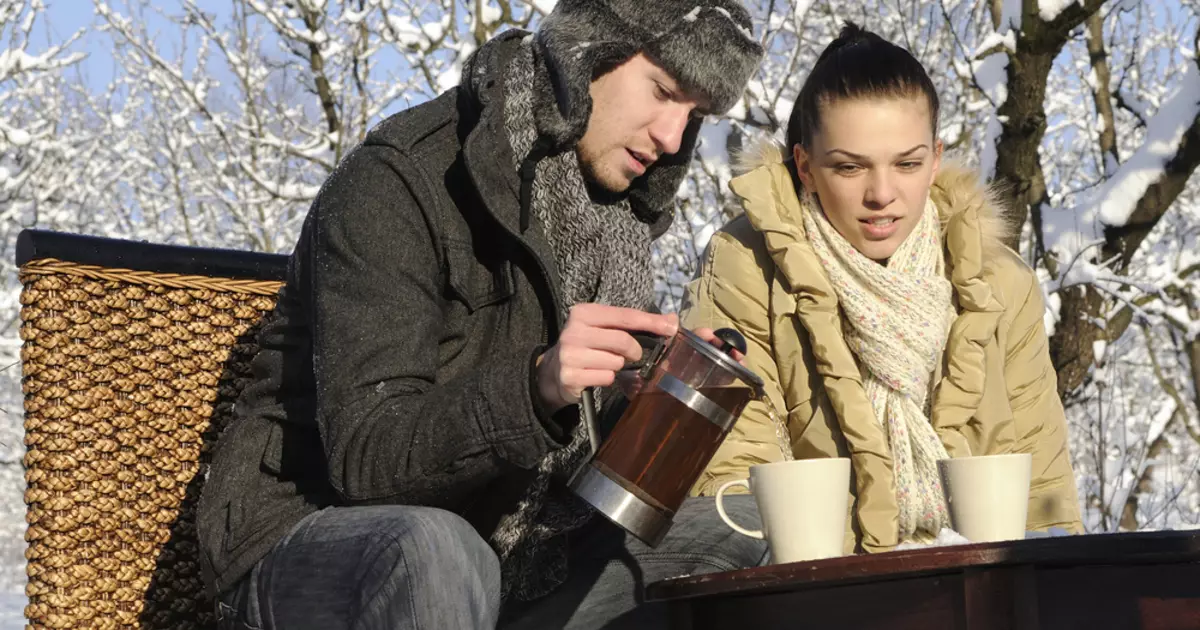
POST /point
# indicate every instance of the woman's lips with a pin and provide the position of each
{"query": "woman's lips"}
(879, 228)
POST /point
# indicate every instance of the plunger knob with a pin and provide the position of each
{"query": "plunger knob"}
(730, 340)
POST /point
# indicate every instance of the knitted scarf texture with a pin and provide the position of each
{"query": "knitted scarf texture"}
(602, 253)
(897, 320)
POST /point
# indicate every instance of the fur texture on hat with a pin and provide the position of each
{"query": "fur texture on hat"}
(706, 46)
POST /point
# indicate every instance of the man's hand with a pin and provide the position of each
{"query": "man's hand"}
(593, 346)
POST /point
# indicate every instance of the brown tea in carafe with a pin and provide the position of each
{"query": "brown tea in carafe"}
(685, 395)
(661, 445)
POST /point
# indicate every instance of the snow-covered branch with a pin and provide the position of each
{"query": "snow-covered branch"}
(1118, 199)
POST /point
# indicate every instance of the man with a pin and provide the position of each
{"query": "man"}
(400, 458)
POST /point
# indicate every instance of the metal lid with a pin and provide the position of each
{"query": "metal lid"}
(723, 359)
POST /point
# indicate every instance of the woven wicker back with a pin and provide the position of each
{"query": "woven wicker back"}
(128, 377)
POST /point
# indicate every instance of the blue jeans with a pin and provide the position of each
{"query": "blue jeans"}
(417, 568)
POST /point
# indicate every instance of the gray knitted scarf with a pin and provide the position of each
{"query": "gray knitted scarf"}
(602, 253)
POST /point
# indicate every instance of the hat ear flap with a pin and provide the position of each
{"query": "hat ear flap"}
(653, 195)
(565, 117)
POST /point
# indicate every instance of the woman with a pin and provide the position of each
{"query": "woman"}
(890, 323)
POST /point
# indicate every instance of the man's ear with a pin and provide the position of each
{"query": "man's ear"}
(803, 167)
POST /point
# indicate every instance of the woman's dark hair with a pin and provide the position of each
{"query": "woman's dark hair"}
(858, 64)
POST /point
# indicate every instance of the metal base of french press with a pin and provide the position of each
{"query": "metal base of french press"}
(648, 523)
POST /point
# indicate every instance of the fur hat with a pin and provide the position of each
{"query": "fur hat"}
(706, 45)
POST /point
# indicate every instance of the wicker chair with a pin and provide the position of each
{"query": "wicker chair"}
(133, 355)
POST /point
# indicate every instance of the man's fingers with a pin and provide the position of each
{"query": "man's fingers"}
(580, 358)
(620, 318)
(574, 381)
(617, 342)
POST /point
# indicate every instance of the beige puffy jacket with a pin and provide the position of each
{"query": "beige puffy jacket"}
(995, 389)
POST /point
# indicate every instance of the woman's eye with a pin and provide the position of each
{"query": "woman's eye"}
(661, 93)
(847, 169)
(911, 165)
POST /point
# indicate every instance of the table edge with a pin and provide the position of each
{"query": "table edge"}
(1082, 550)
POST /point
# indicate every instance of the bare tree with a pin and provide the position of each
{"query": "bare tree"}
(223, 119)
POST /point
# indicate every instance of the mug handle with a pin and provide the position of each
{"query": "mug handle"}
(745, 483)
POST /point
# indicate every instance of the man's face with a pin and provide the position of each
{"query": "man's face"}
(639, 114)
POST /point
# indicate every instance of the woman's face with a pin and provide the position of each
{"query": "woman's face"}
(871, 164)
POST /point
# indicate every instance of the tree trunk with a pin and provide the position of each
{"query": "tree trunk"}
(1019, 171)
(1071, 345)
(1023, 114)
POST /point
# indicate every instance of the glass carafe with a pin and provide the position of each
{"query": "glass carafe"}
(686, 396)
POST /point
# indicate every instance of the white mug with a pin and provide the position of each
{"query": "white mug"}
(988, 495)
(803, 506)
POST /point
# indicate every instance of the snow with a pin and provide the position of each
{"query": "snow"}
(16, 137)
(14, 61)
(433, 30)
(992, 75)
(333, 49)
(1051, 317)
(491, 14)
(1007, 41)
(352, 17)
(1161, 419)
(945, 538)
(408, 34)
(800, 9)
(1118, 198)
(704, 235)
(1048, 10)
(744, 31)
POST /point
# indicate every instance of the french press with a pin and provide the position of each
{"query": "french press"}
(687, 393)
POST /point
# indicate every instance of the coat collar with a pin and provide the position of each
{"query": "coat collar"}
(487, 156)
(767, 186)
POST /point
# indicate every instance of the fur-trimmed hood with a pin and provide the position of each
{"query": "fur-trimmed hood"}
(956, 189)
(996, 389)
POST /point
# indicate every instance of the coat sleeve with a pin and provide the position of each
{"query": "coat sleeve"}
(731, 291)
(392, 428)
(1040, 420)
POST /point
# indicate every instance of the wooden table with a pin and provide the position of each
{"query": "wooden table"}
(1147, 581)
